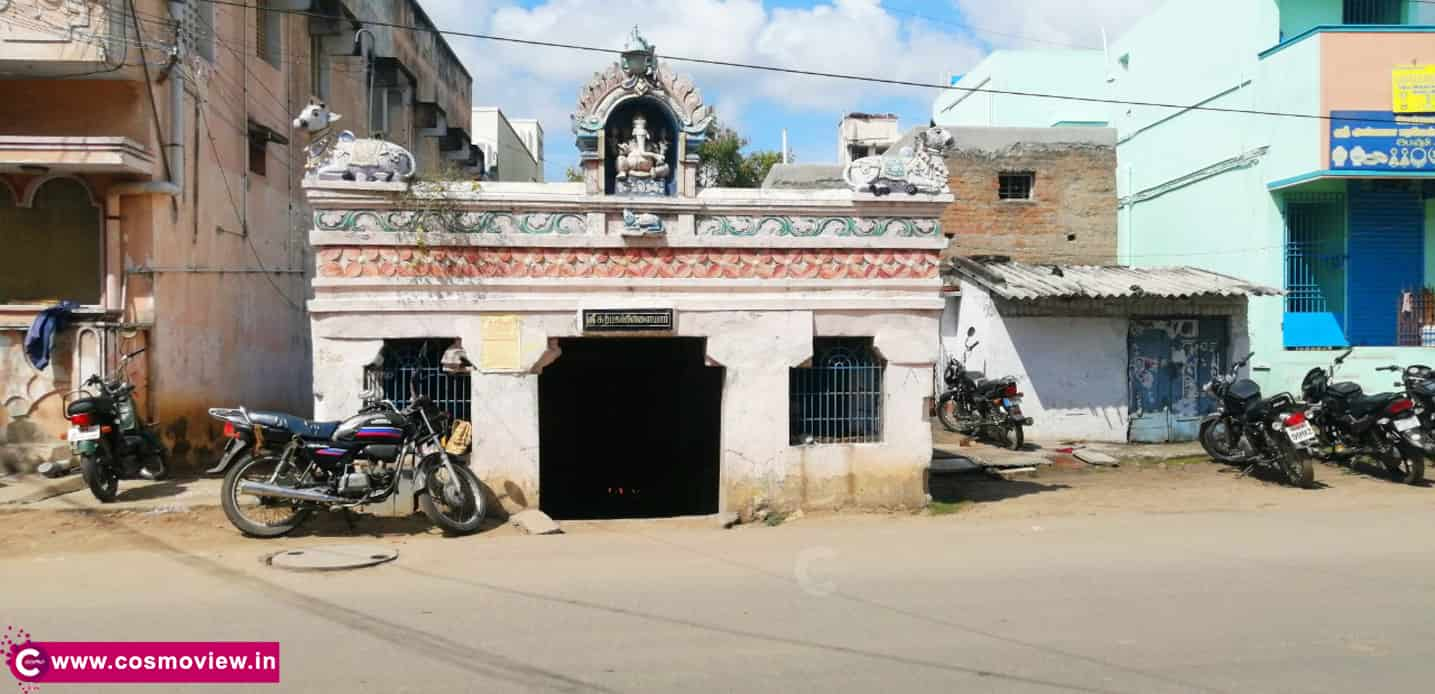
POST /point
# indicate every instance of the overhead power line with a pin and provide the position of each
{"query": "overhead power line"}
(831, 75)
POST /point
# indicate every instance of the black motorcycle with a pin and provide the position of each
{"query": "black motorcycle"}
(1419, 383)
(1352, 424)
(366, 459)
(1252, 431)
(108, 437)
(977, 406)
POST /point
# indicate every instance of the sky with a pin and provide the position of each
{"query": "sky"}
(924, 41)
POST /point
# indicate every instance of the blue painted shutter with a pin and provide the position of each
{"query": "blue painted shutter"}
(1387, 256)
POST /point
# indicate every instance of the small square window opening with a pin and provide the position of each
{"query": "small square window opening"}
(1015, 185)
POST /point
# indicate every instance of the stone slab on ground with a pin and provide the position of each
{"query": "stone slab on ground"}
(535, 522)
(990, 456)
(332, 557)
(952, 464)
(1091, 457)
(29, 489)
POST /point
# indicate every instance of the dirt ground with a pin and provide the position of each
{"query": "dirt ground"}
(1182, 485)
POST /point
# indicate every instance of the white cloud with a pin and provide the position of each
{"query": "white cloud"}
(1052, 23)
(859, 37)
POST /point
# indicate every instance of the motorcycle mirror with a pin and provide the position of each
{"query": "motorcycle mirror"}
(971, 330)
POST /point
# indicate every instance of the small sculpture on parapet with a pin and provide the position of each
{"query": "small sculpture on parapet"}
(918, 170)
(343, 157)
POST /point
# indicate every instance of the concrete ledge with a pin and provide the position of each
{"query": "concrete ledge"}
(29, 489)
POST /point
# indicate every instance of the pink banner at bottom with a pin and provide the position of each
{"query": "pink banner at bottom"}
(133, 662)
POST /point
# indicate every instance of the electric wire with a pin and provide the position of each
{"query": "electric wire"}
(829, 75)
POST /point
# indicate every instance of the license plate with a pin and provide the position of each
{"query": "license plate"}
(1301, 433)
(85, 434)
(1406, 424)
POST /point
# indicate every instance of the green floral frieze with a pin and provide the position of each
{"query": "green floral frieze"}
(810, 227)
(536, 223)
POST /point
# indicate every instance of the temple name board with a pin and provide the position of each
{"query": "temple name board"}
(658, 319)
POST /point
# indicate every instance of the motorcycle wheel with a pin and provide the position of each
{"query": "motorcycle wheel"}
(460, 513)
(1215, 438)
(947, 413)
(1406, 463)
(104, 483)
(1012, 438)
(1299, 466)
(262, 517)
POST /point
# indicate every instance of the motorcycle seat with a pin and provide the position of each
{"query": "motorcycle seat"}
(91, 405)
(1345, 390)
(298, 426)
(1363, 405)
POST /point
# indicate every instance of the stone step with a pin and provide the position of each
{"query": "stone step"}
(25, 457)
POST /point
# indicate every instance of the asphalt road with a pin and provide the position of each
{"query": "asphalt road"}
(1284, 601)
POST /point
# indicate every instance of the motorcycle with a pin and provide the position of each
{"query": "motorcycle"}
(1419, 383)
(262, 432)
(108, 437)
(377, 454)
(974, 405)
(1247, 429)
(1352, 424)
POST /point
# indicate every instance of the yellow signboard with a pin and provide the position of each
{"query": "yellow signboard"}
(1414, 89)
(501, 344)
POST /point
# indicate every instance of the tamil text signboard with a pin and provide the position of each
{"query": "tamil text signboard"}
(627, 320)
(1381, 141)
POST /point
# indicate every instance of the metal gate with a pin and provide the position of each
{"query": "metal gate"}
(413, 366)
(1387, 257)
(1170, 360)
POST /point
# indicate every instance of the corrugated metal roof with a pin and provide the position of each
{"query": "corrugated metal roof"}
(1022, 281)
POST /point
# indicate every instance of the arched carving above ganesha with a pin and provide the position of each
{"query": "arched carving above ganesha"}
(640, 125)
(639, 73)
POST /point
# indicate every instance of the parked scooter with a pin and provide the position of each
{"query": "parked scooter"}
(974, 405)
(366, 459)
(107, 435)
(1250, 431)
(1352, 424)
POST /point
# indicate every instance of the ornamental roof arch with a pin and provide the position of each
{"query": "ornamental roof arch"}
(639, 74)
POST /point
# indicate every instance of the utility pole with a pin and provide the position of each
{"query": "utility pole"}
(784, 145)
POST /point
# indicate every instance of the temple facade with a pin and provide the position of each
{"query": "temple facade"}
(635, 345)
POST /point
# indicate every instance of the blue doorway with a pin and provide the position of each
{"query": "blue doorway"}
(1170, 361)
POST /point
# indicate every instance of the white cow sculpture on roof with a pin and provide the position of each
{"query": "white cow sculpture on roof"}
(344, 157)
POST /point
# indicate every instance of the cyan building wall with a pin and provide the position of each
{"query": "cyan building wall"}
(1061, 72)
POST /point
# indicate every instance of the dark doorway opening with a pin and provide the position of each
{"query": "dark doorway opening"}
(629, 428)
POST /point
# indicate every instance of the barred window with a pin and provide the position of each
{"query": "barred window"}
(1015, 185)
(838, 397)
(414, 366)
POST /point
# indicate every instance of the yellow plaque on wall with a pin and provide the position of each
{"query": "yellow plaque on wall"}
(1414, 89)
(501, 344)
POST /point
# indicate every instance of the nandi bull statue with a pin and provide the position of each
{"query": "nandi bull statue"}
(919, 171)
(344, 157)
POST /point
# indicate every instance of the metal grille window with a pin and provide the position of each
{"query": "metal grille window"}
(838, 399)
(1015, 185)
(413, 366)
(1372, 11)
(1315, 252)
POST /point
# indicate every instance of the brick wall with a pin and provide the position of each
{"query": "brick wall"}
(1071, 217)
